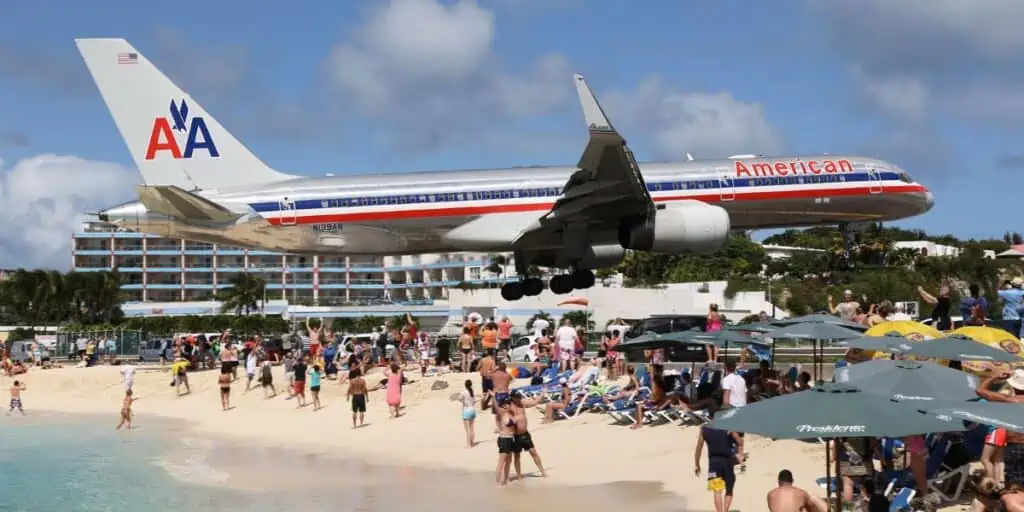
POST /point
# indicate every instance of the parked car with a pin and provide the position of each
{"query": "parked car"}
(664, 324)
(21, 351)
(155, 349)
(522, 350)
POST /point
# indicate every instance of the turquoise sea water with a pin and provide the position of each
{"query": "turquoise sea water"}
(51, 462)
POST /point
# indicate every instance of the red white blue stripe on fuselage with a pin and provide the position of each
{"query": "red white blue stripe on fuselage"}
(391, 207)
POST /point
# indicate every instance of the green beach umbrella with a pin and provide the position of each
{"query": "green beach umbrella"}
(819, 318)
(891, 343)
(813, 331)
(722, 338)
(831, 411)
(652, 341)
(1005, 415)
(958, 348)
(753, 327)
(913, 381)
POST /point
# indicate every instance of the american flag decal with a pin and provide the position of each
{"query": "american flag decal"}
(127, 58)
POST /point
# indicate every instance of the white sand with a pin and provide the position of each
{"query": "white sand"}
(585, 450)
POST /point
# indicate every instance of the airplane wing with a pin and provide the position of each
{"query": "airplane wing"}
(176, 202)
(607, 188)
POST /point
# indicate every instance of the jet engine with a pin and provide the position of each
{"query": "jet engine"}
(691, 226)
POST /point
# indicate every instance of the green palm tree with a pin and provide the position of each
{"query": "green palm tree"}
(244, 293)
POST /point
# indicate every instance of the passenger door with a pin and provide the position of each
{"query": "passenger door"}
(874, 181)
(287, 214)
(727, 187)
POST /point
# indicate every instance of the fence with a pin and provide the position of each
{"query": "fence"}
(126, 341)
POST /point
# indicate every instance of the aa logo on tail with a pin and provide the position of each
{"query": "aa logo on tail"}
(164, 136)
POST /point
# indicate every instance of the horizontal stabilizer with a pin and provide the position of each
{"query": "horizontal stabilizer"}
(175, 202)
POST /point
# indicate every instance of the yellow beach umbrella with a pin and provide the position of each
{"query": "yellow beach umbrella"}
(993, 337)
(913, 331)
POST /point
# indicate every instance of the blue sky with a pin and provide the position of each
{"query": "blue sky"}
(355, 87)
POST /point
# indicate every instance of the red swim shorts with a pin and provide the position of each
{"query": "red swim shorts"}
(996, 438)
(300, 387)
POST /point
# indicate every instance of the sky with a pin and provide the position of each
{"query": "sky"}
(316, 87)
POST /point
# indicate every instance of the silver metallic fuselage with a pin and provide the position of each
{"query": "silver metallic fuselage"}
(410, 213)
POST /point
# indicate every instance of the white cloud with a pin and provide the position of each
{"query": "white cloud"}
(901, 96)
(705, 124)
(43, 199)
(427, 70)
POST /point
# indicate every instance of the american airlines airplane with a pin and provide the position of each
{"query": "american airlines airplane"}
(203, 184)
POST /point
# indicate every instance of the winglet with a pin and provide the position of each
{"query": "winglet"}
(592, 111)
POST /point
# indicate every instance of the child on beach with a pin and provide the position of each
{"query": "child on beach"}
(126, 410)
(16, 390)
(314, 386)
(357, 394)
(299, 370)
(394, 393)
(251, 362)
(224, 381)
(289, 371)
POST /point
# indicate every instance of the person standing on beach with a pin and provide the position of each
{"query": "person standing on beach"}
(524, 441)
(314, 386)
(299, 370)
(357, 394)
(179, 370)
(466, 348)
(224, 382)
(126, 410)
(486, 367)
(394, 393)
(423, 347)
(1013, 452)
(506, 442)
(127, 376)
(251, 361)
(267, 379)
(501, 380)
(721, 462)
(289, 371)
(16, 390)
(468, 400)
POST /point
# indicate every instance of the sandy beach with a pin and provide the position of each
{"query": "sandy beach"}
(582, 451)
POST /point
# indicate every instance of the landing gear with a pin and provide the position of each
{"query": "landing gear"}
(560, 284)
(527, 287)
(582, 279)
(849, 243)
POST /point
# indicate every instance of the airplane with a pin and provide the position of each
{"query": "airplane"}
(200, 183)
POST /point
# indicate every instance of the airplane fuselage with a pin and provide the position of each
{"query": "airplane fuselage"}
(410, 213)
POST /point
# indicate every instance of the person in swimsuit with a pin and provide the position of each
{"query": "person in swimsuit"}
(314, 386)
(466, 348)
(486, 367)
(299, 370)
(357, 394)
(468, 400)
(224, 381)
(500, 379)
(16, 390)
(524, 441)
(267, 380)
(1013, 452)
(506, 442)
(126, 411)
(721, 462)
(790, 498)
(394, 392)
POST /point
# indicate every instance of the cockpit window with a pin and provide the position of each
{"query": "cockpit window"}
(905, 178)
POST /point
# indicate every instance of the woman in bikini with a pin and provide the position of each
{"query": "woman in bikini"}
(224, 381)
(466, 347)
(126, 411)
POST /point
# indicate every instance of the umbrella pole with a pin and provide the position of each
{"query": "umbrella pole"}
(839, 479)
(828, 473)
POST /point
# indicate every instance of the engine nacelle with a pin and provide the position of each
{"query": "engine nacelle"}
(692, 226)
(603, 256)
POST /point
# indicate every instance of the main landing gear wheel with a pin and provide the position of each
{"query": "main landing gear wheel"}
(532, 286)
(560, 284)
(512, 291)
(582, 279)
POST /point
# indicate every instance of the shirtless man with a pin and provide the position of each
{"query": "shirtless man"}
(501, 379)
(1013, 453)
(357, 394)
(790, 498)
(486, 367)
(16, 390)
(506, 441)
(524, 441)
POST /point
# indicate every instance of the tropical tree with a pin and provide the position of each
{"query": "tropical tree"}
(244, 293)
(581, 318)
(496, 264)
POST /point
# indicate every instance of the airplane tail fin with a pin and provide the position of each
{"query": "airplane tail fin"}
(172, 139)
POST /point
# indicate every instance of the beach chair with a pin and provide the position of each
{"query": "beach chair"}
(900, 502)
(549, 384)
(762, 352)
(945, 481)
